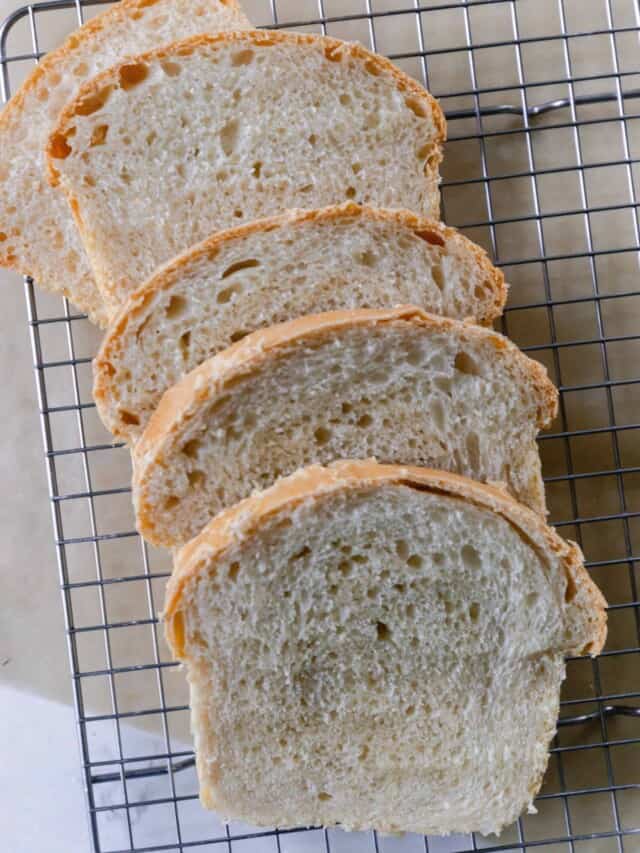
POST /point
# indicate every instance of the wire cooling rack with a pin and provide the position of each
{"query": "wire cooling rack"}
(542, 168)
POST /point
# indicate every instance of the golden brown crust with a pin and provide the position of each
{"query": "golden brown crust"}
(241, 521)
(333, 50)
(243, 357)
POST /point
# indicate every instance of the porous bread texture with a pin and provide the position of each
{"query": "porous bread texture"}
(159, 152)
(273, 270)
(37, 234)
(379, 647)
(399, 385)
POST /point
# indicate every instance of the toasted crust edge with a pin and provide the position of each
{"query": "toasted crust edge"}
(246, 355)
(258, 38)
(245, 518)
(137, 306)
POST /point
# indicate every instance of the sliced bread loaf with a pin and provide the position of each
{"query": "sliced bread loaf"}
(399, 385)
(379, 647)
(159, 152)
(37, 233)
(274, 270)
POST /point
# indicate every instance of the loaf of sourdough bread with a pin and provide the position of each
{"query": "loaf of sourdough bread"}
(399, 385)
(378, 647)
(37, 234)
(273, 270)
(160, 151)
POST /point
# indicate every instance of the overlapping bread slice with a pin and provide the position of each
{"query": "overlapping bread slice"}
(379, 647)
(274, 270)
(37, 234)
(159, 152)
(397, 384)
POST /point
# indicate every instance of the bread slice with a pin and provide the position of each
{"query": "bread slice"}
(399, 385)
(159, 152)
(37, 233)
(273, 270)
(379, 647)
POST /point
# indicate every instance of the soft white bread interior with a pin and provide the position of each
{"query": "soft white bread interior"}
(38, 236)
(157, 153)
(378, 647)
(272, 270)
(398, 385)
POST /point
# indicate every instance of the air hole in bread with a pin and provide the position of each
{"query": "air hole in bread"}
(362, 558)
(372, 592)
(151, 137)
(3, 237)
(364, 420)
(570, 590)
(129, 418)
(242, 57)
(345, 99)
(479, 292)
(238, 213)
(364, 751)
(463, 363)
(415, 561)
(132, 74)
(59, 148)
(471, 558)
(372, 67)
(474, 611)
(256, 169)
(333, 53)
(238, 335)
(304, 552)
(234, 568)
(322, 435)
(92, 103)
(410, 710)
(402, 549)
(438, 277)
(227, 294)
(176, 307)
(437, 414)
(473, 450)
(195, 478)
(229, 136)
(532, 598)
(171, 69)
(171, 502)
(383, 631)
(410, 611)
(346, 407)
(191, 448)
(184, 343)
(344, 567)
(414, 356)
(240, 265)
(400, 587)
(431, 237)
(417, 106)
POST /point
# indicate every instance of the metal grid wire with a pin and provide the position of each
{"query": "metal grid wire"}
(542, 168)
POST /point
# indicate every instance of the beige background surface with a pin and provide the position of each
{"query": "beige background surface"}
(32, 647)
